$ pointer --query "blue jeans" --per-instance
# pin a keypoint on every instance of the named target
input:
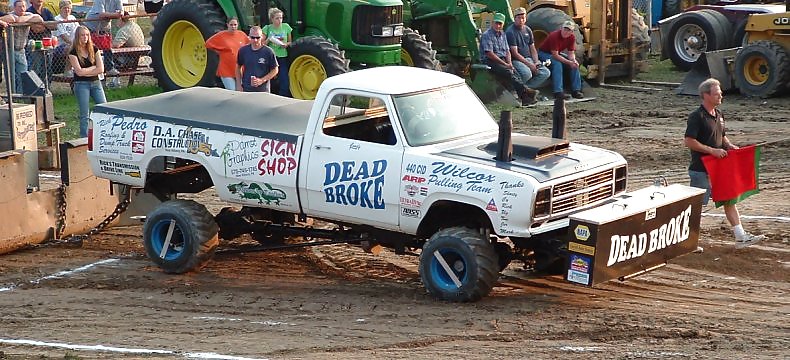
(531, 80)
(282, 76)
(85, 90)
(700, 180)
(557, 77)
(20, 66)
(228, 82)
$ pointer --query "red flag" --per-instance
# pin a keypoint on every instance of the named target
(734, 177)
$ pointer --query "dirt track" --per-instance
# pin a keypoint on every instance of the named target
(340, 303)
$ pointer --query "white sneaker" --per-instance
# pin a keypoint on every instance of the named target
(747, 239)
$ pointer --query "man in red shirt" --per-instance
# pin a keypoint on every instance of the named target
(227, 43)
(560, 47)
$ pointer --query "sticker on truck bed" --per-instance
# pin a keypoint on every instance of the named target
(265, 194)
(120, 137)
(183, 140)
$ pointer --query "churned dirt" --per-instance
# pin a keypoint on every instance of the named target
(337, 302)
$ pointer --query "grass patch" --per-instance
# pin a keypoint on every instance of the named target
(66, 109)
(664, 71)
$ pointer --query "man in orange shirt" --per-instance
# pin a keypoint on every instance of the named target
(226, 43)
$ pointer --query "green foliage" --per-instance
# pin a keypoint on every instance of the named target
(66, 109)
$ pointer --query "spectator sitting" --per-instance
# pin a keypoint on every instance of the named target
(38, 32)
(65, 35)
(129, 35)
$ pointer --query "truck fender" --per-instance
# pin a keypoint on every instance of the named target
(446, 213)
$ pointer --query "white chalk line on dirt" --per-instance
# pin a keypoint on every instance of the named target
(757, 217)
(61, 274)
(189, 355)
(264, 322)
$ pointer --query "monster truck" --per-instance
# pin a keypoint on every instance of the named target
(408, 161)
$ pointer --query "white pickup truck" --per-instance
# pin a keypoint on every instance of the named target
(399, 157)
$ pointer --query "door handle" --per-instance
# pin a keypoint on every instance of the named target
(319, 147)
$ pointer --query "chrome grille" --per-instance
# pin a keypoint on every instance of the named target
(581, 192)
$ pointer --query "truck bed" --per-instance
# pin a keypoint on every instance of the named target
(254, 114)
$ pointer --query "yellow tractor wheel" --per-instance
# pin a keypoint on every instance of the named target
(178, 44)
(313, 59)
(762, 69)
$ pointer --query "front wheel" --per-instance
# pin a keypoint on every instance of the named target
(762, 68)
(416, 51)
(180, 236)
(458, 264)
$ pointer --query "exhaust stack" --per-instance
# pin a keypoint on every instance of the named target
(505, 141)
(558, 117)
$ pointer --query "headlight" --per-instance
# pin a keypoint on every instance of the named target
(388, 30)
(542, 203)
(620, 179)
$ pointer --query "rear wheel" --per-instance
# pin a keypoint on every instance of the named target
(313, 59)
(694, 33)
(458, 264)
(762, 68)
(178, 44)
(180, 236)
(543, 21)
(416, 51)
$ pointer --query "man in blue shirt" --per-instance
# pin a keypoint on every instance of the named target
(256, 64)
(495, 52)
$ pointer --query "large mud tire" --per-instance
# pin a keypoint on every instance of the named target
(193, 236)
(762, 69)
(472, 262)
(416, 51)
(543, 21)
(694, 33)
(313, 60)
(178, 44)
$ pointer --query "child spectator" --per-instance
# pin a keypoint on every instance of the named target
(278, 35)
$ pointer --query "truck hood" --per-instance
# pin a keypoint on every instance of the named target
(539, 157)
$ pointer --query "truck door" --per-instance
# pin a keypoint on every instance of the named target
(355, 161)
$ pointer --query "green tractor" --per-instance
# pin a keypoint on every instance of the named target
(330, 37)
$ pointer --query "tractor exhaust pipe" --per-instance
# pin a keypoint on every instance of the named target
(505, 141)
(558, 117)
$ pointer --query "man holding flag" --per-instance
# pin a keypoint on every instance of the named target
(705, 137)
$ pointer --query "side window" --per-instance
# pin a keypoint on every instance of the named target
(360, 118)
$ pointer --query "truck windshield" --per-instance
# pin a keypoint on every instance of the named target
(443, 114)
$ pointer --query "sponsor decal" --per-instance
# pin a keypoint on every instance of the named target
(632, 246)
(138, 147)
(264, 194)
(650, 214)
(582, 232)
(134, 174)
(459, 178)
(412, 213)
(504, 185)
(118, 168)
(416, 169)
(491, 206)
(241, 157)
(186, 140)
(138, 136)
(410, 202)
(119, 136)
(277, 158)
(411, 190)
(580, 263)
(423, 191)
(357, 184)
(580, 248)
(413, 179)
(578, 277)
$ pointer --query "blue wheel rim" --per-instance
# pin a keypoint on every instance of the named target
(458, 265)
(159, 235)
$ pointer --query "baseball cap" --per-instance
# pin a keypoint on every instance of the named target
(568, 24)
(498, 17)
(519, 11)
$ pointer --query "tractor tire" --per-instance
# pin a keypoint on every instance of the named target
(193, 237)
(313, 59)
(472, 262)
(762, 69)
(178, 44)
(670, 8)
(543, 21)
(694, 33)
(740, 37)
(416, 51)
